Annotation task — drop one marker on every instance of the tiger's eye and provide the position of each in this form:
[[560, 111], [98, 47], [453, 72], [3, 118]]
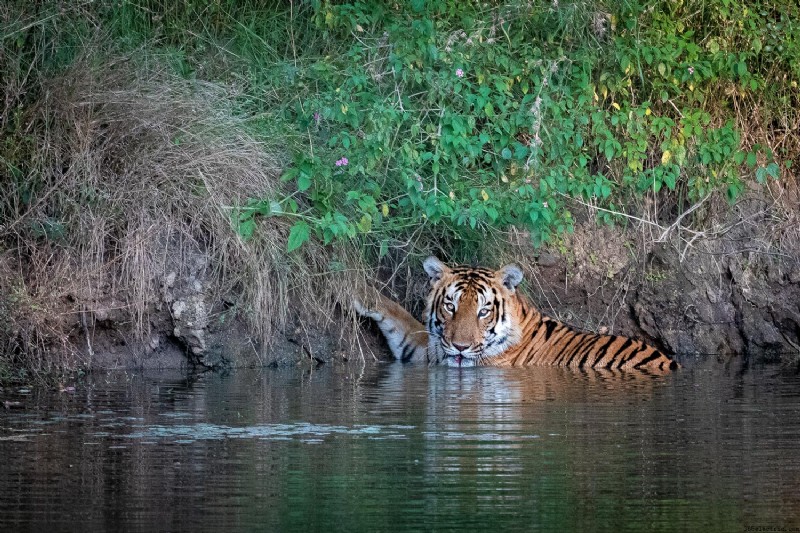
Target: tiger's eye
[[450, 308], [484, 312]]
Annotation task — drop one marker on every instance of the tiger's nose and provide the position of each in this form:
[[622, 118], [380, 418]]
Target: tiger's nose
[[460, 347]]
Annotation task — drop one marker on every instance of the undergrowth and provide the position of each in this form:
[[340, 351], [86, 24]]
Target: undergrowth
[[353, 133]]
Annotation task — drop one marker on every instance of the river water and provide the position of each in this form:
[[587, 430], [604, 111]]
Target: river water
[[711, 447]]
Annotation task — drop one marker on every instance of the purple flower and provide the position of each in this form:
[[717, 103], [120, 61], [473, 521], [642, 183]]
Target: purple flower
[[342, 162], [317, 117], [691, 70], [459, 73]]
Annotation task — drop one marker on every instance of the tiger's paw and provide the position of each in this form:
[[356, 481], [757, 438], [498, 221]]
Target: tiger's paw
[[362, 310]]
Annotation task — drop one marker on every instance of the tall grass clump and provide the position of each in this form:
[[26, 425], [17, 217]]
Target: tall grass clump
[[121, 171]]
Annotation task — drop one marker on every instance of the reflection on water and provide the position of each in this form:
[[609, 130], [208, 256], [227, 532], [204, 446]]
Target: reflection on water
[[406, 448]]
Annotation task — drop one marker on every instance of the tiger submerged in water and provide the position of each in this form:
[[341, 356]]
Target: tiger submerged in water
[[476, 317]]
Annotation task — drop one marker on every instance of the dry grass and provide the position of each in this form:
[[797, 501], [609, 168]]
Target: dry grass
[[136, 174]]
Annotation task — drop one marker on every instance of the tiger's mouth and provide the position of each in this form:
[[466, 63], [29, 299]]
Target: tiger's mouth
[[459, 360]]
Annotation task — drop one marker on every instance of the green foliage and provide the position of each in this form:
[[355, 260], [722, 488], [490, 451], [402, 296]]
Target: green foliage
[[474, 118], [465, 117]]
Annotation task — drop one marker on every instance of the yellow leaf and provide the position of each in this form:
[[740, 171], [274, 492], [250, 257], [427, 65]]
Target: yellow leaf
[[344, 109], [385, 210], [504, 178], [665, 157], [359, 28], [615, 105], [484, 195], [691, 87], [647, 112], [452, 195]]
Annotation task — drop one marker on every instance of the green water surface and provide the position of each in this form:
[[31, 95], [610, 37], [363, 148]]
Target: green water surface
[[404, 448]]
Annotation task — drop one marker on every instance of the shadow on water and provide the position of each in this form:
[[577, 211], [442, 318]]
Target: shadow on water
[[395, 447]]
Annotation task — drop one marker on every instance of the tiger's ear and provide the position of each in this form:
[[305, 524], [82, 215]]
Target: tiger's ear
[[510, 276], [435, 269]]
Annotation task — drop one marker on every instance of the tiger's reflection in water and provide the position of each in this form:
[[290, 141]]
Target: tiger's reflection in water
[[500, 429]]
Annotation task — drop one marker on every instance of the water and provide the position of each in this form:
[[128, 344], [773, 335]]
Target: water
[[398, 448]]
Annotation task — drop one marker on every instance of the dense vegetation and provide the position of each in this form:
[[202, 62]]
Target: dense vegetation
[[470, 116], [444, 122]]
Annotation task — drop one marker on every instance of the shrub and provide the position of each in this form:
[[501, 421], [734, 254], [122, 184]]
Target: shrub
[[473, 117]]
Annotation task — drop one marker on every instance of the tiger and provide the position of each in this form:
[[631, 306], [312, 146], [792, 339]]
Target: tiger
[[475, 316]]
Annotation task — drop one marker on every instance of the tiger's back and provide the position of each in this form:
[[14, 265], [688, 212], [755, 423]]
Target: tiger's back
[[549, 342]]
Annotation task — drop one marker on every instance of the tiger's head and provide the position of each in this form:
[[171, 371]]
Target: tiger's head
[[472, 313]]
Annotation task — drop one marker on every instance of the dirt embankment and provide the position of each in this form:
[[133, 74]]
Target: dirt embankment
[[705, 300], [128, 256], [734, 289]]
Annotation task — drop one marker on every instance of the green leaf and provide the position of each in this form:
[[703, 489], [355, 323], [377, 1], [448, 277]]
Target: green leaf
[[365, 224], [609, 151], [245, 228], [290, 174], [297, 235], [506, 153], [303, 181], [773, 170], [751, 159], [669, 179]]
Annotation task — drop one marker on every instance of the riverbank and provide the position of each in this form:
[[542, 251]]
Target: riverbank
[[179, 196], [716, 298]]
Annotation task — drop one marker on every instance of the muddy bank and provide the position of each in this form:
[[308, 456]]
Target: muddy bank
[[732, 294], [734, 289], [708, 300]]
